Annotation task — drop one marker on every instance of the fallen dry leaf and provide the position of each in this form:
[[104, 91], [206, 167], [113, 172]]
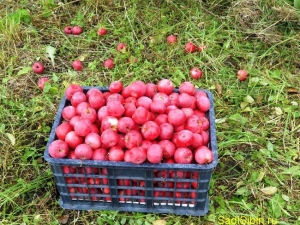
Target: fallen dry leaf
[[63, 219], [159, 222], [293, 90], [269, 190], [219, 88]]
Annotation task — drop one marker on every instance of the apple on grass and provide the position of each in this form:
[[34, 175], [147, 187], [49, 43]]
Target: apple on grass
[[77, 65], [109, 63], [101, 31], [171, 39], [38, 67], [77, 30], [42, 82], [68, 29], [242, 75], [190, 47], [122, 47], [196, 73]]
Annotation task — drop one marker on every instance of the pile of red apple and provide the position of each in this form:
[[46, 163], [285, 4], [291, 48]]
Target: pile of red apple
[[137, 123]]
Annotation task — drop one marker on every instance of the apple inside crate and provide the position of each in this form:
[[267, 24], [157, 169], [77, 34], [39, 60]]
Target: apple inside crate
[[165, 168]]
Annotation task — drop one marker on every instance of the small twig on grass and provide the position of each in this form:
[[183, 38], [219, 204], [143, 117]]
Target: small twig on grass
[[126, 15]]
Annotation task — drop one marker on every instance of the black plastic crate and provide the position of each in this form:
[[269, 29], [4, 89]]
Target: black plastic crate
[[180, 189]]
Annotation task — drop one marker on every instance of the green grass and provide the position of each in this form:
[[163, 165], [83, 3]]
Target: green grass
[[258, 136]]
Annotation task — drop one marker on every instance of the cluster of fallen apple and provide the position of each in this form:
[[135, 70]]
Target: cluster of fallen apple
[[136, 123], [77, 65]]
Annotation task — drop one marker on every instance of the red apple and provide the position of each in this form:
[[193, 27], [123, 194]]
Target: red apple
[[100, 154], [173, 98], [203, 103], [184, 138], [161, 118], [76, 30], [138, 155], [203, 155], [101, 31], [92, 91], [74, 120], [77, 65], [42, 81], [158, 107], [109, 64], [68, 112], [121, 47], [242, 75], [58, 149], [83, 127], [62, 130], [188, 112], [150, 130], [186, 101], [190, 47], [166, 131], [197, 140], [160, 96], [194, 124], [83, 152], [187, 87], [141, 115], [115, 108], [90, 114], [71, 89], [155, 153], [109, 138], [68, 29], [102, 113], [144, 101], [96, 100], [133, 139], [165, 86], [171, 39], [205, 136], [137, 89], [116, 87], [183, 156], [196, 73], [77, 98], [73, 139], [38, 67], [116, 154], [93, 140], [130, 108], [176, 117], [109, 122], [168, 148], [151, 89], [125, 125]]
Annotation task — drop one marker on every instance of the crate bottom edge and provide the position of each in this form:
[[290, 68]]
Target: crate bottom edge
[[186, 211]]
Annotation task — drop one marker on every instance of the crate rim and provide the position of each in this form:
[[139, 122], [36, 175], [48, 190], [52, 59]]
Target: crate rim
[[70, 162]]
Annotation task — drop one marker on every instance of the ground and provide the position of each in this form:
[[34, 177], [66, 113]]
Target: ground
[[258, 120]]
